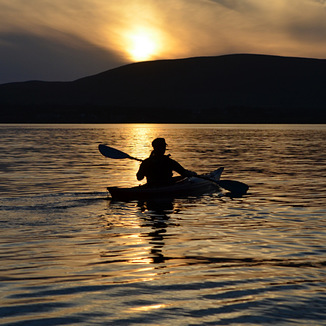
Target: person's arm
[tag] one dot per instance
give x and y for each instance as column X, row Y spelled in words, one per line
column 141, row 172
column 190, row 173
column 177, row 167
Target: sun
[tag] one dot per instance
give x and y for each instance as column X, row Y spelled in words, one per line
column 142, row 45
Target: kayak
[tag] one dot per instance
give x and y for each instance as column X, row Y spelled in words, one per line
column 189, row 186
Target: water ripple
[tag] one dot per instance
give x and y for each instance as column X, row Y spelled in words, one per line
column 71, row 256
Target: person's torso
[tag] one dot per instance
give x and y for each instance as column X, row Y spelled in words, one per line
column 159, row 170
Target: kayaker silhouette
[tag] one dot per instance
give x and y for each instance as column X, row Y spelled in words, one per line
column 158, row 168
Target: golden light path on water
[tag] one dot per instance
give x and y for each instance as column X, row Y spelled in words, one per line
column 141, row 138
column 72, row 255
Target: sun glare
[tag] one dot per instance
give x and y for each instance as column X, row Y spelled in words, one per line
column 142, row 45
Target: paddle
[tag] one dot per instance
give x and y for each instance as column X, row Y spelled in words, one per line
column 115, row 153
column 235, row 187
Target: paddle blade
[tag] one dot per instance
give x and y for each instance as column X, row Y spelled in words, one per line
column 114, row 153
column 235, row 187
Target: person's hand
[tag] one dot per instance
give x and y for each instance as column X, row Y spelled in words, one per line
column 191, row 173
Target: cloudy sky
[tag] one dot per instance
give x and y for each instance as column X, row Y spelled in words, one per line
column 69, row 39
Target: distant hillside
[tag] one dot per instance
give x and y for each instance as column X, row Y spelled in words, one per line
column 240, row 88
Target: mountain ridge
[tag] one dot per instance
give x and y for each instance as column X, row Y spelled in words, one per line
column 229, row 88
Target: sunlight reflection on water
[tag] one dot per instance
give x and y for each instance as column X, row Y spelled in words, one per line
column 72, row 256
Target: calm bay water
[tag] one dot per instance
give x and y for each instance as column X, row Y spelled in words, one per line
column 71, row 256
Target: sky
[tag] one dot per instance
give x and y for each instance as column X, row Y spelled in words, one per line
column 63, row 40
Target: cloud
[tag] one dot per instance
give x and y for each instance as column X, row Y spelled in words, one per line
column 31, row 57
column 99, row 31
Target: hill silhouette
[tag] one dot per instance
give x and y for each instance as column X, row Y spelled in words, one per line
column 239, row 88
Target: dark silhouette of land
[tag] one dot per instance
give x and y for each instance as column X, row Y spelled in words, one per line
column 240, row 88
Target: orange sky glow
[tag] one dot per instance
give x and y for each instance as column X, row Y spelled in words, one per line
column 89, row 36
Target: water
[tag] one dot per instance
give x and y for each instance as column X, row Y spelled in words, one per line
column 71, row 256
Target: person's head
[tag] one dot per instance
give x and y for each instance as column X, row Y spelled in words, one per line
column 159, row 146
